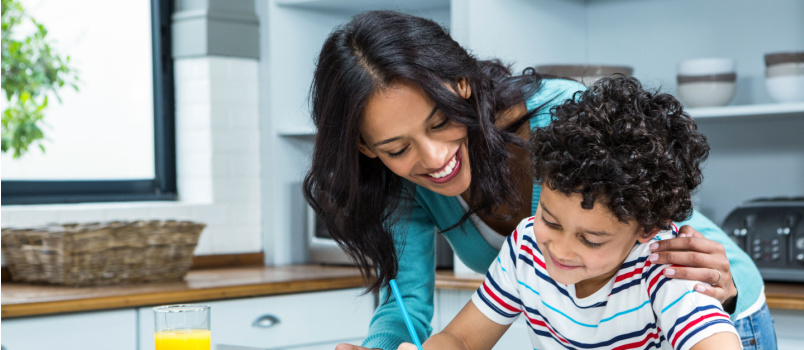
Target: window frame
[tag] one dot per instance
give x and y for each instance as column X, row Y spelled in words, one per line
column 163, row 186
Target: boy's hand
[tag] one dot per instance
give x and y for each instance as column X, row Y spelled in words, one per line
column 699, row 259
column 406, row 346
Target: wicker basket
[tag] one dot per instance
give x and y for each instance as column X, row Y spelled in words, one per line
column 115, row 252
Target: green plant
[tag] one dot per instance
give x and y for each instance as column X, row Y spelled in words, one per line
column 32, row 70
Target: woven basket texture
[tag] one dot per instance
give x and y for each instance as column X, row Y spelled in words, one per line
column 93, row 254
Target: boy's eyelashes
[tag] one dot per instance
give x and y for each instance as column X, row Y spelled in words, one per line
column 583, row 239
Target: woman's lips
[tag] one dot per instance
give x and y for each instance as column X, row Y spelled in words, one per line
column 562, row 266
column 455, row 170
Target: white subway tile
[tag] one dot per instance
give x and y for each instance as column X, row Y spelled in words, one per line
column 81, row 216
column 195, row 190
column 239, row 141
column 193, row 141
column 191, row 68
column 237, row 92
column 247, row 166
column 193, row 91
column 221, row 166
column 220, row 116
column 194, row 165
column 246, row 214
column 204, row 246
column 191, row 116
column 244, row 116
column 237, row 190
column 126, row 214
column 170, row 212
column 214, row 215
column 243, row 69
column 37, row 217
column 237, row 239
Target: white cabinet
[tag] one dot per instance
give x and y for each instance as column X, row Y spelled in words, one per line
column 103, row 330
column 789, row 325
column 294, row 321
column 449, row 302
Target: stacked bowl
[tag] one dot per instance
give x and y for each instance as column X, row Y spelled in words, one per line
column 707, row 82
column 583, row 73
column 784, row 76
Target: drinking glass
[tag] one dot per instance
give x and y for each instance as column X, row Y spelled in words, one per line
column 182, row 327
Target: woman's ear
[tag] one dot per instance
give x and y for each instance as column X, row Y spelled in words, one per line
column 464, row 89
column 646, row 237
column 364, row 148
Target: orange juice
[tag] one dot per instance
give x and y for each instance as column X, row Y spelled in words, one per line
column 184, row 339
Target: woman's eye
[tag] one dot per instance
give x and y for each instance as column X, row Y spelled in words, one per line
column 441, row 124
column 589, row 243
column 397, row 154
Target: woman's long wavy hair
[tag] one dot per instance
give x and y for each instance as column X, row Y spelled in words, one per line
column 354, row 195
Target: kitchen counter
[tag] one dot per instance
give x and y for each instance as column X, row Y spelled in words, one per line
column 19, row 300
column 788, row 296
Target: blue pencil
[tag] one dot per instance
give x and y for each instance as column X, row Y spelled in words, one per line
column 402, row 307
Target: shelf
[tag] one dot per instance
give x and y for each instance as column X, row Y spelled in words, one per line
column 356, row 6
column 774, row 109
column 297, row 132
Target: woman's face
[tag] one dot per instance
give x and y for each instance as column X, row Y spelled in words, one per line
column 402, row 127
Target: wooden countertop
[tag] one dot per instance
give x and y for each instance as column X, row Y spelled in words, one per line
column 788, row 296
column 19, row 300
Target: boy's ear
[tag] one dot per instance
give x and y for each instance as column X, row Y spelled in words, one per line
column 364, row 148
column 645, row 238
column 464, row 89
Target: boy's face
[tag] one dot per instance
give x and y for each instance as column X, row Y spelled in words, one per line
column 581, row 245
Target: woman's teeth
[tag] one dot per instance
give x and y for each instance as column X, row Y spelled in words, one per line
column 447, row 170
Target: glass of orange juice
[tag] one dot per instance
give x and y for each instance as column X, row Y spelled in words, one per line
column 182, row 327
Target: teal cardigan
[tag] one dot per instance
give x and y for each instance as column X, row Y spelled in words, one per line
column 415, row 244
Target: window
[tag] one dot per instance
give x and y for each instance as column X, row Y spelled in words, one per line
column 114, row 139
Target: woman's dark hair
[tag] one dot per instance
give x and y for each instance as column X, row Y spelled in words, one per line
column 354, row 195
column 634, row 150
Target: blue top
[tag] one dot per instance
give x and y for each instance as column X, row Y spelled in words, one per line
column 415, row 244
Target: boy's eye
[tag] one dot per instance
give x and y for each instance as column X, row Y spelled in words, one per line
column 397, row 154
column 550, row 224
column 589, row 243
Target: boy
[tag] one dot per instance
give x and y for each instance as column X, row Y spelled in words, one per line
column 617, row 166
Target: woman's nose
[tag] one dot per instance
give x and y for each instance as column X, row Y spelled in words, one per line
column 433, row 154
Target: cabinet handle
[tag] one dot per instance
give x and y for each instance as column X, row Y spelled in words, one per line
column 266, row 321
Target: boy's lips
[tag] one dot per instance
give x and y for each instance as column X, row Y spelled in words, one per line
column 562, row 266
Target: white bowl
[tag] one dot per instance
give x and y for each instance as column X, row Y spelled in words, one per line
column 706, row 93
column 706, row 66
column 786, row 88
column 791, row 68
column 584, row 74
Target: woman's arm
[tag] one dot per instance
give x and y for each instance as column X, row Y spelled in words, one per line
column 469, row 330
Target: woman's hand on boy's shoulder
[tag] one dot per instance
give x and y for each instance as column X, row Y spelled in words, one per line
column 406, row 346
column 699, row 259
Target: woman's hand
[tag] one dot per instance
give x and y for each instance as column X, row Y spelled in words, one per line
column 345, row 346
column 699, row 259
column 406, row 346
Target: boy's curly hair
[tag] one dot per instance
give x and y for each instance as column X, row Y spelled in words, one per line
column 634, row 150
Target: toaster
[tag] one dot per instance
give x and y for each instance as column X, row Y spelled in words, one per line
column 771, row 231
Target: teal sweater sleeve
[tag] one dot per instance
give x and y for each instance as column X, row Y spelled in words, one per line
column 414, row 239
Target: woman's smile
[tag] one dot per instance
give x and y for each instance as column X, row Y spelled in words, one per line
column 448, row 171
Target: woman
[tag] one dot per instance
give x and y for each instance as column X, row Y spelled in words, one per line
column 416, row 135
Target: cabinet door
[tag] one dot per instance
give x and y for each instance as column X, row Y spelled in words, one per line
column 788, row 324
column 285, row 321
column 103, row 330
column 450, row 302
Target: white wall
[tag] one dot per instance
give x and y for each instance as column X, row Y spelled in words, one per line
column 218, row 163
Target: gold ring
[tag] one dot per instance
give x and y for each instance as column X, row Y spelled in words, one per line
column 719, row 276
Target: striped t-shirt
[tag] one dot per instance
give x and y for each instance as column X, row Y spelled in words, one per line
column 639, row 308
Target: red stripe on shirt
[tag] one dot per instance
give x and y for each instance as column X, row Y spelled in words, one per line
column 704, row 317
column 499, row 301
column 533, row 257
column 640, row 344
column 632, row 273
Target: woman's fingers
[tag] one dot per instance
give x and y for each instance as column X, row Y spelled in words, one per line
column 406, row 346
column 696, row 258
column 345, row 346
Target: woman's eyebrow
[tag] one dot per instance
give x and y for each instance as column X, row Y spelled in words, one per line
column 432, row 113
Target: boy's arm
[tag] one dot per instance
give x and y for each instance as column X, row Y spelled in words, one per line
column 718, row 341
column 470, row 329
